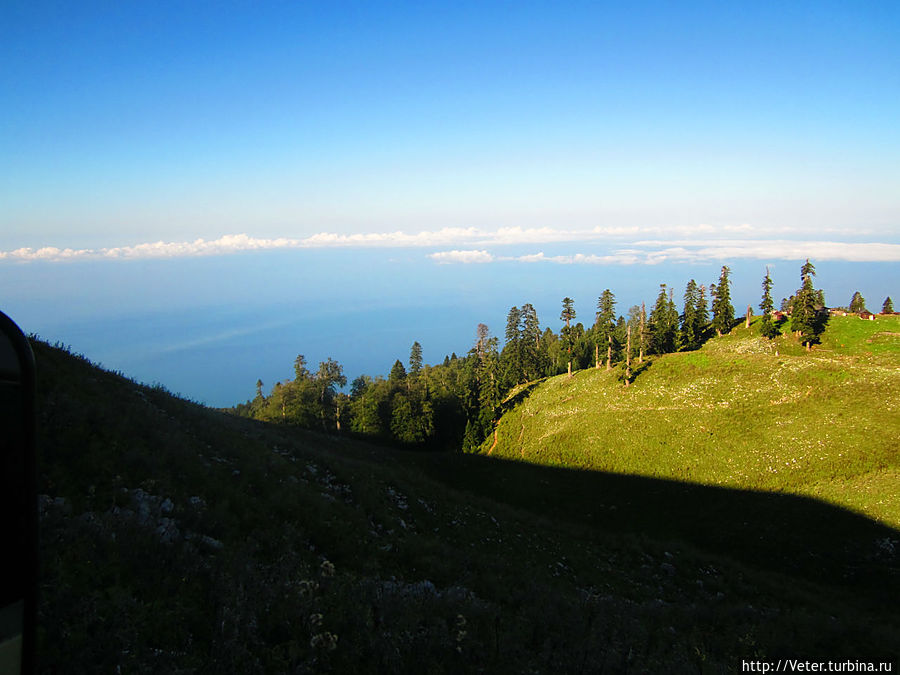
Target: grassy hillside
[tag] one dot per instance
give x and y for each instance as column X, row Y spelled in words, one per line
column 741, row 412
column 178, row 539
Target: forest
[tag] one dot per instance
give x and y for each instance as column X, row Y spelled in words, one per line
column 455, row 404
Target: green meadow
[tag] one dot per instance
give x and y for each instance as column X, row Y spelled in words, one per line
column 741, row 412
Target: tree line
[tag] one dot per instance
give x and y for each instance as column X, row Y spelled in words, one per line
column 456, row 403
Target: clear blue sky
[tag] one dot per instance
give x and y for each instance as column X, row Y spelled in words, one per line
column 126, row 123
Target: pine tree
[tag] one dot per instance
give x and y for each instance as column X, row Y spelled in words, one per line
column 702, row 314
column 723, row 311
column 888, row 306
column 531, row 353
column 803, row 313
column 605, row 325
column 767, row 306
column 690, row 323
column 662, row 326
column 672, row 320
column 415, row 359
column 568, row 338
column 398, row 373
column 857, row 303
column 511, row 357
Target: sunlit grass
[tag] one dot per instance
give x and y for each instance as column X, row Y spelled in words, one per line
column 741, row 412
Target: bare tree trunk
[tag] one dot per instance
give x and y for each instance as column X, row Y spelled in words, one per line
column 628, row 357
column 609, row 351
column 570, row 369
column 749, row 310
column 641, row 336
column 596, row 356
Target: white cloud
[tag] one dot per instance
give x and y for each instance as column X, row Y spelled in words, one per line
column 624, row 245
column 445, row 257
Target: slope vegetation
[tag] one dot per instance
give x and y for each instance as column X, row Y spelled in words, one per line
column 741, row 412
column 178, row 539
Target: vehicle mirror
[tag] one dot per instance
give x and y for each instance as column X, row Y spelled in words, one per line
column 18, row 501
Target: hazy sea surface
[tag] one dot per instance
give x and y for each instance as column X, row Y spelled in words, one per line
column 208, row 328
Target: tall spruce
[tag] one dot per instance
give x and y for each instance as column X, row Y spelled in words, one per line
column 663, row 326
column 767, row 306
column 804, row 319
column 690, row 318
column 605, row 326
column 723, row 311
column 567, row 333
column 511, row 356
column 857, row 303
column 888, row 306
column 531, row 354
column 415, row 359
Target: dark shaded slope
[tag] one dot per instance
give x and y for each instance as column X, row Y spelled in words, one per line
column 178, row 539
column 796, row 536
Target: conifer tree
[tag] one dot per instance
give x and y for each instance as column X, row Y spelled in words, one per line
column 531, row 353
column 690, row 320
column 511, row 357
column 803, row 314
column 672, row 320
column 567, row 334
column 857, row 303
column 723, row 311
column 663, row 325
column 415, row 359
column 398, row 373
column 605, row 325
column 767, row 306
column 702, row 314
column 888, row 306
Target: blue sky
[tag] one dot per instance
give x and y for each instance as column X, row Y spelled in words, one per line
column 518, row 144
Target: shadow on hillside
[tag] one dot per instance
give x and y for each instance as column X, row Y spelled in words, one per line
column 796, row 536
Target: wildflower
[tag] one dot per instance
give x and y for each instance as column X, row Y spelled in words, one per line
column 327, row 568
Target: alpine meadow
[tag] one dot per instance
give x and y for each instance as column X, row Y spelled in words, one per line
column 436, row 338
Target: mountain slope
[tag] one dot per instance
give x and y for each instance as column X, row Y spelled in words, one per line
column 740, row 412
column 178, row 539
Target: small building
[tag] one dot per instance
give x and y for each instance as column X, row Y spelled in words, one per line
column 867, row 316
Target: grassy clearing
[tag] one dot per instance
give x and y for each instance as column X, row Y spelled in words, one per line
column 741, row 412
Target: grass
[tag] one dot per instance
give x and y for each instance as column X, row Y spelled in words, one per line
column 741, row 412
column 178, row 539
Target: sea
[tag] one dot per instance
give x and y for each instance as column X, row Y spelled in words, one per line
column 208, row 328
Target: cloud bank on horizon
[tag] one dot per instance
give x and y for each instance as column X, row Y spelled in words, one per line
column 622, row 245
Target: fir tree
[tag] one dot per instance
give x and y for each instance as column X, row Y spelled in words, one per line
column 567, row 335
column 803, row 315
column 605, row 325
column 511, row 357
column 415, row 359
column 531, row 354
column 690, row 320
column 767, row 306
column 857, row 303
column 398, row 372
column 723, row 311
column 888, row 306
column 663, row 326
